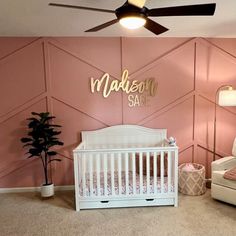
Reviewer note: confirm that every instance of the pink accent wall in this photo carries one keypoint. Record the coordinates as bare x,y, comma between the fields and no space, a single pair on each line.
39,74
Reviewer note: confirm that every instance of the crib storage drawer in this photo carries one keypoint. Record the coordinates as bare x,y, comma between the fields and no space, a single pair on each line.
126,203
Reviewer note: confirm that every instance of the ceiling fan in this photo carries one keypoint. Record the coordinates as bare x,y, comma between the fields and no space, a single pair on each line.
133,14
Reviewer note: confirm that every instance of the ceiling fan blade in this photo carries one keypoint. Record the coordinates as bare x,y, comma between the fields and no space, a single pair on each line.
80,7
137,3
102,26
189,10
154,27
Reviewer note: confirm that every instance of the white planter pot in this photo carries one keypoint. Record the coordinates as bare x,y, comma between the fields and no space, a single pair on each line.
47,190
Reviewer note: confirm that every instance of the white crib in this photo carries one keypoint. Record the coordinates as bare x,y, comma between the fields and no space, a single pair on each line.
125,166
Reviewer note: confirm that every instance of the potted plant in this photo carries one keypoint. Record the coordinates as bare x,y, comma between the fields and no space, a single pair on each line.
42,137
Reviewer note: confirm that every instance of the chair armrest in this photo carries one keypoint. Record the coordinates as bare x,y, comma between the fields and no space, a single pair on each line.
224,163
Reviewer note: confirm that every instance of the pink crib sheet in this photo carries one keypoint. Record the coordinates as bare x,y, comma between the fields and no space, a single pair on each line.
123,186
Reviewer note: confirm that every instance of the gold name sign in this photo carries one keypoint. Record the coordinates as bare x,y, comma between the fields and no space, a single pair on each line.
145,88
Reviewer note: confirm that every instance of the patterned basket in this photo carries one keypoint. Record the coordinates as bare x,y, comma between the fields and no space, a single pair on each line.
192,182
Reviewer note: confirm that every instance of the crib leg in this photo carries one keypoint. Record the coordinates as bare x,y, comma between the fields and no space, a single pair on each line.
77,208
176,202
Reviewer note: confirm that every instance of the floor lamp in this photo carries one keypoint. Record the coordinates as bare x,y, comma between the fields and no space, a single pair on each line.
226,96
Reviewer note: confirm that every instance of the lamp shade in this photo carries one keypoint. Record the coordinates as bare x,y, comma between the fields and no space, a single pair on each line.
227,97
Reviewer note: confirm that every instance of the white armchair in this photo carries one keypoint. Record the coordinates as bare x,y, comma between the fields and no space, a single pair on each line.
221,188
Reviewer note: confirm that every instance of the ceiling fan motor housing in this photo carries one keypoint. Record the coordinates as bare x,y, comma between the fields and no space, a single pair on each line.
129,10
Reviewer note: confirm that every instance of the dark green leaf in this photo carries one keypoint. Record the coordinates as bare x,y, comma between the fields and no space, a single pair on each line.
33,124
55,125
28,144
53,143
56,132
33,119
52,153
60,143
35,151
44,114
35,113
25,140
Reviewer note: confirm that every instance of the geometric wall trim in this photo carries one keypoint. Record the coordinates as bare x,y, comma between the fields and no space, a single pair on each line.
40,74
25,70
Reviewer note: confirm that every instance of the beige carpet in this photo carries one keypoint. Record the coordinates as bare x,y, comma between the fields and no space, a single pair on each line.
26,214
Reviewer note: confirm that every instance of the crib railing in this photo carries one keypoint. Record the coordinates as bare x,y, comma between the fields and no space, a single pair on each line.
126,172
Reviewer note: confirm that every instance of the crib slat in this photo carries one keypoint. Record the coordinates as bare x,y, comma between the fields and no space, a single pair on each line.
169,172
83,174
148,171
126,174
134,173
176,177
112,174
141,171
98,174
155,172
79,156
91,174
162,172
119,174
105,173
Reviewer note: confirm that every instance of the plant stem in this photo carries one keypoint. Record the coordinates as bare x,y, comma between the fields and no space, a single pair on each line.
41,157
46,168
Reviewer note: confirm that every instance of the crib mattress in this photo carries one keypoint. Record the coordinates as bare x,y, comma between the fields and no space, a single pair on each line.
95,190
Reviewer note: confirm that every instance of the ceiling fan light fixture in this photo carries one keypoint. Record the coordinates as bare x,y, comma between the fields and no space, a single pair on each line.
133,14
132,22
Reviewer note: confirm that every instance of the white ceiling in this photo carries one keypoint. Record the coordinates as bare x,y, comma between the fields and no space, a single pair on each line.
36,18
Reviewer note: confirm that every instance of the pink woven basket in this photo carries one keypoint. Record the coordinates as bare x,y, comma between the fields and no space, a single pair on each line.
192,182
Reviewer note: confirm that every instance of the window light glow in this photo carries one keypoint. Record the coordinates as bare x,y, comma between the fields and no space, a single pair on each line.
132,22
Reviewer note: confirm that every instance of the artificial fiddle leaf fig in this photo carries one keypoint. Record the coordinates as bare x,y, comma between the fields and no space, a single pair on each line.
42,137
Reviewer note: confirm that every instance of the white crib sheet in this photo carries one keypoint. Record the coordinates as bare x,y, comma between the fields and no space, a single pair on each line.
123,187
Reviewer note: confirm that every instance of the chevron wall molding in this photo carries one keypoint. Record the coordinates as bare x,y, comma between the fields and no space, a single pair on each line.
39,74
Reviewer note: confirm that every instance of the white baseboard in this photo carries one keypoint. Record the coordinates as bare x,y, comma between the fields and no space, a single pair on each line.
35,189
64,188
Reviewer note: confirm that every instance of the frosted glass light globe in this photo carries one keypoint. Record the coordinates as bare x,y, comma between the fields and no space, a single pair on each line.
132,22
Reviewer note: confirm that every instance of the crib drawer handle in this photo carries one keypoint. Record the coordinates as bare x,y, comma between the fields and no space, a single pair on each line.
149,199
104,201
